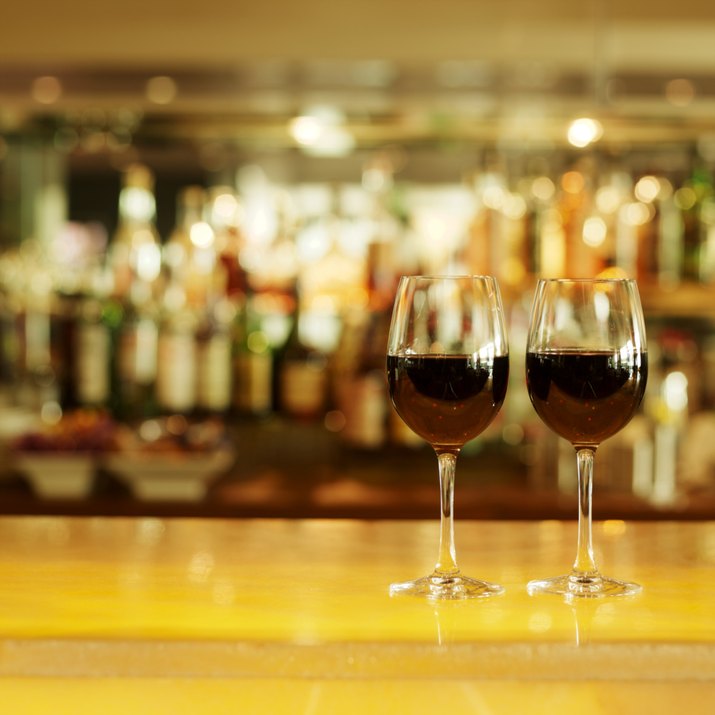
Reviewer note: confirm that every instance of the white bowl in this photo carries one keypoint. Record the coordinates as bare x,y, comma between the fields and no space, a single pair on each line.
168,476
57,475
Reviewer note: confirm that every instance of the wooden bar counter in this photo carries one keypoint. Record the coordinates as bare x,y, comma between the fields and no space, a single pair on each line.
147,615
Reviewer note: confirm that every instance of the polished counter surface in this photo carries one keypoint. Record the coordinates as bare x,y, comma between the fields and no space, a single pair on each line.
294,616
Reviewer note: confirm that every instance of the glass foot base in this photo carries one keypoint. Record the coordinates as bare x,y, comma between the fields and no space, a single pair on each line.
446,587
578,586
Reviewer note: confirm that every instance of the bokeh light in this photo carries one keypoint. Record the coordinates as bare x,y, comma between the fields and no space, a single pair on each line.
584,131
46,90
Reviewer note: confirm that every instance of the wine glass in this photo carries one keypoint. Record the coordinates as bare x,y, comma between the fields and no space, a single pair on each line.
586,372
447,369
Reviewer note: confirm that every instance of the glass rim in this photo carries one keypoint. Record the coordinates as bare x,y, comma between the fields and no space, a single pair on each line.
445,276
587,280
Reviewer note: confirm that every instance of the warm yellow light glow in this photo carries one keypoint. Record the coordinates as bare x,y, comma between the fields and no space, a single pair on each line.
161,90
257,341
637,213
666,188
201,235
540,622
225,207
584,131
513,271
675,391
614,527
608,199
148,261
137,203
334,141
572,182
320,131
685,198
46,90
552,255
514,206
647,189
594,231
680,92
306,130
543,188
494,196
613,273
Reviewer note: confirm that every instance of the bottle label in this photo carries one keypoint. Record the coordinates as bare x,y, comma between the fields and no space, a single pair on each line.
176,373
254,382
92,366
303,388
138,352
364,404
214,373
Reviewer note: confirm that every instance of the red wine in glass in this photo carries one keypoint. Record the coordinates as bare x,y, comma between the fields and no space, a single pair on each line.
585,396
447,399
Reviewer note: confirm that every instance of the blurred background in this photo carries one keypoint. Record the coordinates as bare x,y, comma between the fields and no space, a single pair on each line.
204,211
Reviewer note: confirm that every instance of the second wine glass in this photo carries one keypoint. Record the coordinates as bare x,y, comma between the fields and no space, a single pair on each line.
447,368
586,372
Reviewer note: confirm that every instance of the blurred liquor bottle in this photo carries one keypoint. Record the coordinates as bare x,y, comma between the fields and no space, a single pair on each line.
63,345
135,362
98,320
176,374
224,214
302,372
134,261
39,355
10,374
583,258
214,349
253,364
359,386
177,250
695,193
135,253
268,319
707,237
670,240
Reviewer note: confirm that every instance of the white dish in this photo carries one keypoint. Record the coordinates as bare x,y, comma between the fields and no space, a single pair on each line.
169,476
57,475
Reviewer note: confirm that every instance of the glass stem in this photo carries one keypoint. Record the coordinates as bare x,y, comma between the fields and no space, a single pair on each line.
585,566
447,564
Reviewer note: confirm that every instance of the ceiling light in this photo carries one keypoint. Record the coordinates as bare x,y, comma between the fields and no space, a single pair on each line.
584,131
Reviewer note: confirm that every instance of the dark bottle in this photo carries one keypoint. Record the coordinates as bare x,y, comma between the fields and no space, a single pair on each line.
360,385
63,345
302,376
9,350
